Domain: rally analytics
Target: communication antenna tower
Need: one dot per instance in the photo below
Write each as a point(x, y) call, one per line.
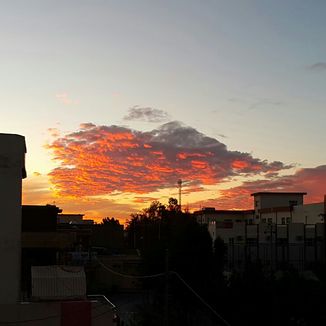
point(180, 188)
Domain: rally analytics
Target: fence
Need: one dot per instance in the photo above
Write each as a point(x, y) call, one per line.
point(277, 247)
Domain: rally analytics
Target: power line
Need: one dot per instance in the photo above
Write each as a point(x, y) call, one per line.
point(128, 275)
point(179, 277)
point(103, 313)
point(200, 298)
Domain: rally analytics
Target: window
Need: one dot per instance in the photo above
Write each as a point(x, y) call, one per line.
point(231, 241)
point(293, 202)
point(270, 220)
point(283, 220)
point(288, 220)
point(239, 238)
point(263, 220)
point(256, 203)
point(298, 238)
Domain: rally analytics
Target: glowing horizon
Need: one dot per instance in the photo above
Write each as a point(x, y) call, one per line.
point(115, 171)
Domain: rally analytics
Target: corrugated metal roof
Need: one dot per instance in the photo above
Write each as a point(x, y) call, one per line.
point(58, 282)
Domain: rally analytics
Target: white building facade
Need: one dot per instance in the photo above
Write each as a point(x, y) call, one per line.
point(280, 231)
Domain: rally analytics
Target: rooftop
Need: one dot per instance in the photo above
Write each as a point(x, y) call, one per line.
point(210, 210)
point(277, 193)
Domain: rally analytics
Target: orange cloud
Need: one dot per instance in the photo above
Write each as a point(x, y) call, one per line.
point(239, 164)
point(144, 200)
point(99, 160)
point(36, 191)
point(310, 180)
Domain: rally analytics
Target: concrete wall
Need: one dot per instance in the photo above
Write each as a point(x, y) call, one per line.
point(33, 314)
point(308, 213)
point(49, 314)
point(224, 216)
point(12, 170)
point(279, 217)
point(275, 200)
point(235, 233)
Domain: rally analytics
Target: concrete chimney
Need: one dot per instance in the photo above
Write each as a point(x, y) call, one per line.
point(12, 171)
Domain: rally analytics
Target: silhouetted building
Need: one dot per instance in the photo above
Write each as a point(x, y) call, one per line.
point(73, 219)
point(39, 218)
point(12, 171)
point(210, 214)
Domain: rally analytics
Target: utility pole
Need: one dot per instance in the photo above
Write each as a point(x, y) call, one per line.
point(134, 233)
point(180, 189)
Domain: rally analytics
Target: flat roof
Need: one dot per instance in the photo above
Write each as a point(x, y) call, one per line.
point(39, 207)
point(277, 193)
point(225, 211)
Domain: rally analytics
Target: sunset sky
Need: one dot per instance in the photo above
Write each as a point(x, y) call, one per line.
point(120, 99)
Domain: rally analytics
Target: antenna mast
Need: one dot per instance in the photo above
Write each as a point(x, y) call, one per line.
point(180, 188)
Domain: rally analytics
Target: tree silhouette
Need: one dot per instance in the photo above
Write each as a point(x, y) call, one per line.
point(163, 230)
point(108, 234)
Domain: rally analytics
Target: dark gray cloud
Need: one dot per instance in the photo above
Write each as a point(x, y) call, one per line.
point(318, 66)
point(146, 114)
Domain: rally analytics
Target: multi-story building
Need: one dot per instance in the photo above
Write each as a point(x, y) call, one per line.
point(284, 231)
